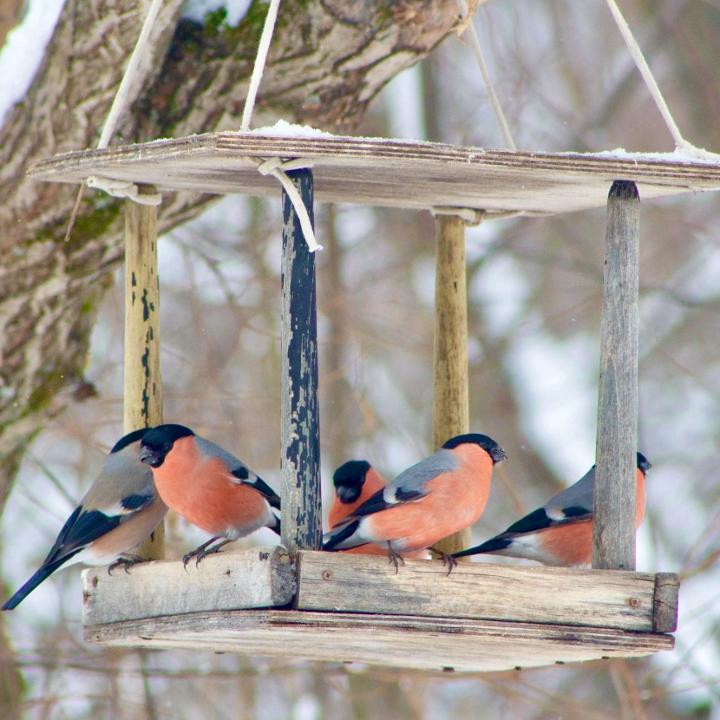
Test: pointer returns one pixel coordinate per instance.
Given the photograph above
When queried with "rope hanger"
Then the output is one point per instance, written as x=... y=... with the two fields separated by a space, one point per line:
x=273 y=166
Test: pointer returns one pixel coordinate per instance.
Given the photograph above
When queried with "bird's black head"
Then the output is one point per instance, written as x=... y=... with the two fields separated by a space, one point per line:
x=643 y=463
x=158 y=442
x=349 y=479
x=486 y=443
x=128 y=439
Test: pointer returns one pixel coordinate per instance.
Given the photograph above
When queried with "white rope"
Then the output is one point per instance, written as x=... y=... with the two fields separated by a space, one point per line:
x=477 y=50
x=260 y=60
x=275 y=166
x=470 y=216
x=636 y=53
x=644 y=68
x=120 y=102
x=270 y=167
x=124 y=189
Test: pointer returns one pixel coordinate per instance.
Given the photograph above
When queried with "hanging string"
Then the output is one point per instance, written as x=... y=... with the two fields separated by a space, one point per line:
x=644 y=68
x=119 y=105
x=260 y=60
x=120 y=102
x=272 y=166
x=494 y=102
x=637 y=55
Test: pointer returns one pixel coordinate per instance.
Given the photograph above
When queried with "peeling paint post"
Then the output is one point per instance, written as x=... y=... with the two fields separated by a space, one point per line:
x=451 y=415
x=142 y=385
x=614 y=502
x=300 y=421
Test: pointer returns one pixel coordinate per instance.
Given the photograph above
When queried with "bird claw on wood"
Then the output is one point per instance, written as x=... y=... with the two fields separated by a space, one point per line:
x=449 y=561
x=395 y=558
x=125 y=562
x=200 y=553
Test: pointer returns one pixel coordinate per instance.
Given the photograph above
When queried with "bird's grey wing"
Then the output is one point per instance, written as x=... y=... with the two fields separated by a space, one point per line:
x=239 y=470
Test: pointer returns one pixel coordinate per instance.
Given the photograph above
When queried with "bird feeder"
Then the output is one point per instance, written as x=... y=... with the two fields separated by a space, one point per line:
x=294 y=601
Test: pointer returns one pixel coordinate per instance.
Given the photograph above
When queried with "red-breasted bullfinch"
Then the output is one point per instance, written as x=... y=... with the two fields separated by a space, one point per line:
x=208 y=486
x=560 y=532
x=119 y=512
x=355 y=481
x=441 y=495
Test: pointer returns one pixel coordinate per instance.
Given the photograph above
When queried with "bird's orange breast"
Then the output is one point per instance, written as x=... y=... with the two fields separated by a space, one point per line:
x=571 y=543
x=203 y=491
x=454 y=501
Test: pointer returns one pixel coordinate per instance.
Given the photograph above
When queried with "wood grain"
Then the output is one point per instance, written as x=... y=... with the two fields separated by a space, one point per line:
x=438 y=644
x=665 y=602
x=382 y=172
x=451 y=414
x=299 y=411
x=354 y=583
x=257 y=577
x=615 y=483
x=142 y=392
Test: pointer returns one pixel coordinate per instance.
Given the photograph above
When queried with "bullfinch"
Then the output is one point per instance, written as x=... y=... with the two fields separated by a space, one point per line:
x=208 y=486
x=441 y=495
x=560 y=532
x=119 y=512
x=355 y=481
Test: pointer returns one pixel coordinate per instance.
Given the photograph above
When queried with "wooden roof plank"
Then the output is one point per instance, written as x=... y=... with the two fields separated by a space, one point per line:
x=387 y=172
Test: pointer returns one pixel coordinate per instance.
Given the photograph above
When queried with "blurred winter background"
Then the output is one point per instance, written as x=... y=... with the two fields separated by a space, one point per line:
x=567 y=83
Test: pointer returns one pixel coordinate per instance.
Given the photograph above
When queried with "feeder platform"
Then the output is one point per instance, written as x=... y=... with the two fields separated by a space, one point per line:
x=355 y=608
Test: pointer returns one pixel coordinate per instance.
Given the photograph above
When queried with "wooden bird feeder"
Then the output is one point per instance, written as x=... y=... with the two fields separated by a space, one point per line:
x=296 y=602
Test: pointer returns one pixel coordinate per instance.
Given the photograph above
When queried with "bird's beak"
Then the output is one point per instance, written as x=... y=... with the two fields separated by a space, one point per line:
x=150 y=457
x=498 y=454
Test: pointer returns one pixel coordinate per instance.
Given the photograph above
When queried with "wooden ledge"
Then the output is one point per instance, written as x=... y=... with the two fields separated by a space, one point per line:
x=376 y=171
x=352 y=608
x=478 y=590
x=255 y=578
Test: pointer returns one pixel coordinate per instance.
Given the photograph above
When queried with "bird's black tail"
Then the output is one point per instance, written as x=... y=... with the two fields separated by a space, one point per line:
x=42 y=573
x=342 y=533
x=499 y=542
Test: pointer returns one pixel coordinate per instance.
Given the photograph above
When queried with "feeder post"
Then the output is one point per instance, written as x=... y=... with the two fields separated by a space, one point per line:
x=142 y=385
x=614 y=500
x=450 y=359
x=300 y=421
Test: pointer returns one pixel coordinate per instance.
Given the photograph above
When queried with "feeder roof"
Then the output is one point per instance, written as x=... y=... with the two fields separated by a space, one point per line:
x=392 y=173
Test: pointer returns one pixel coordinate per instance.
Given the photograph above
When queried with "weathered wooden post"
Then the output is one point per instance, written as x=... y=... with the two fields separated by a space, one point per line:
x=450 y=359
x=143 y=388
x=614 y=503
x=300 y=423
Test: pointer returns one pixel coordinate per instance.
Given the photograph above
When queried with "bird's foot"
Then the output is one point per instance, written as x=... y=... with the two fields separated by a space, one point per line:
x=449 y=561
x=200 y=553
x=395 y=558
x=125 y=563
